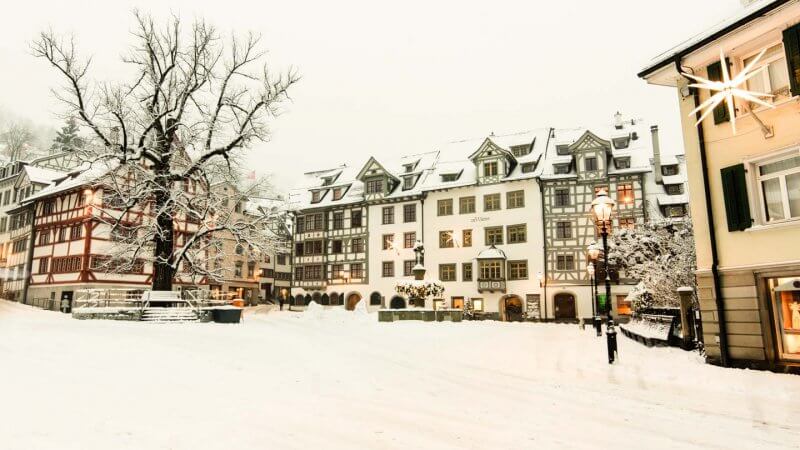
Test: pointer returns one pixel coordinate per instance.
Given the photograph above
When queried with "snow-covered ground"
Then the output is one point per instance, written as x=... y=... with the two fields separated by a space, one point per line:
x=332 y=379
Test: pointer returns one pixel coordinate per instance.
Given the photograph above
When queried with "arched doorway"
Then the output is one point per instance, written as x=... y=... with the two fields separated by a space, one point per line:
x=352 y=301
x=298 y=300
x=564 y=305
x=375 y=299
x=317 y=297
x=334 y=298
x=325 y=299
x=306 y=301
x=397 y=302
x=511 y=308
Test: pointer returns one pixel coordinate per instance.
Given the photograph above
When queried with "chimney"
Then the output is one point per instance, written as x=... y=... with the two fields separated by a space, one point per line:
x=618 y=120
x=656 y=152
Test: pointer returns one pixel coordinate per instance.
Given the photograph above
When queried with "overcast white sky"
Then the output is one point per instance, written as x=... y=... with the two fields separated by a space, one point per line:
x=384 y=78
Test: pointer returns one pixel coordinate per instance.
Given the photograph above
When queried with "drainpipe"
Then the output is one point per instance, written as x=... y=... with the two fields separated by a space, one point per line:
x=712 y=234
x=544 y=233
x=28 y=271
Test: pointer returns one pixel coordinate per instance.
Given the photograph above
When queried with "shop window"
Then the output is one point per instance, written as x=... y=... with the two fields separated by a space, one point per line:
x=786 y=308
x=623 y=305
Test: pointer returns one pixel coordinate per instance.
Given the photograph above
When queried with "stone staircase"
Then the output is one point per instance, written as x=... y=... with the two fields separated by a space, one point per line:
x=179 y=314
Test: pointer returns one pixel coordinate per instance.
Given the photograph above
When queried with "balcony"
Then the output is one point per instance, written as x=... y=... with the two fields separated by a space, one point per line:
x=492 y=285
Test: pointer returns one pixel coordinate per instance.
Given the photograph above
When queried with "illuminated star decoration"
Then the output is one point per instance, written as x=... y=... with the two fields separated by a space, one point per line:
x=452 y=239
x=728 y=88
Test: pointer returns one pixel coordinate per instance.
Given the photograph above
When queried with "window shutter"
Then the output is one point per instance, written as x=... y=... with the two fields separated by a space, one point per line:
x=791 y=45
x=737 y=205
x=715 y=74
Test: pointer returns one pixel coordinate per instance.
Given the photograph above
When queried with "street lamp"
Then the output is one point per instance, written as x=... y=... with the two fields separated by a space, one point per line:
x=593 y=252
x=601 y=209
x=592 y=287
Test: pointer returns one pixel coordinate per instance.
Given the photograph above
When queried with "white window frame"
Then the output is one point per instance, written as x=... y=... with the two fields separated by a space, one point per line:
x=755 y=190
x=767 y=61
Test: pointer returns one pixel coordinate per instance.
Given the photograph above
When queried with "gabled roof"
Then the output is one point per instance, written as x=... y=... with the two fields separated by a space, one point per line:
x=372 y=161
x=489 y=144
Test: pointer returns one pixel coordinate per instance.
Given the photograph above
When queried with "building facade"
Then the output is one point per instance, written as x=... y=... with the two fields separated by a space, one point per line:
x=745 y=184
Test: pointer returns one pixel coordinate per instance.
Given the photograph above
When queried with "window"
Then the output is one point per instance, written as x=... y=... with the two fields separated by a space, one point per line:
x=624 y=306
x=515 y=199
x=676 y=211
x=410 y=213
x=409 y=239
x=517 y=234
x=446 y=239
x=298 y=273
x=43 y=265
x=301 y=224
x=388 y=241
x=447 y=272
x=374 y=186
x=490 y=169
x=562 y=149
x=565 y=262
x=528 y=167
x=314 y=222
x=674 y=189
x=669 y=170
x=494 y=236
x=237 y=272
x=338 y=193
x=336 y=248
x=311 y=272
x=445 y=207
x=491 y=270
x=48 y=207
x=562 y=197
x=627 y=223
x=388 y=269
x=338 y=220
x=388 y=215
x=564 y=230
x=313 y=248
x=518 y=270
x=590 y=163
x=775 y=79
x=356 y=270
x=62 y=234
x=67 y=264
x=625 y=194
x=298 y=249
x=357 y=245
x=316 y=197
x=520 y=150
x=561 y=169
x=477 y=304
x=449 y=177
x=622 y=163
x=251 y=269
x=336 y=271
x=466 y=205
x=466 y=271
x=75 y=232
x=779 y=182
x=408 y=267
x=355 y=218
x=408 y=183
x=466 y=238
x=597 y=190
x=44 y=237
x=491 y=202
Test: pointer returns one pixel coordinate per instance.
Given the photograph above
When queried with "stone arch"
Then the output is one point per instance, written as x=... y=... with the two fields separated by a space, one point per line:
x=317 y=297
x=297 y=300
x=325 y=300
x=564 y=306
x=352 y=300
x=397 y=302
x=375 y=299
x=334 y=299
x=511 y=309
x=306 y=300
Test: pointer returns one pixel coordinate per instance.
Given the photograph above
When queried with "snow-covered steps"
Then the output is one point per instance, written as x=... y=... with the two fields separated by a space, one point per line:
x=170 y=315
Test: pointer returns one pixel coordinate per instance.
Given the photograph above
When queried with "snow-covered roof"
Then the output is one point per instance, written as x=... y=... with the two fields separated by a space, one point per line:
x=81 y=176
x=742 y=17
x=680 y=178
x=492 y=253
x=41 y=175
x=667 y=200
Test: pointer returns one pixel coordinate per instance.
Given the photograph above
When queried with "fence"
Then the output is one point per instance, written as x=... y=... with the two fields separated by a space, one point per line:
x=44 y=303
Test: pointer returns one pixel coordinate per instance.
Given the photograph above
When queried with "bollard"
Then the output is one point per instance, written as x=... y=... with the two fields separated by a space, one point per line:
x=598 y=325
x=612 y=343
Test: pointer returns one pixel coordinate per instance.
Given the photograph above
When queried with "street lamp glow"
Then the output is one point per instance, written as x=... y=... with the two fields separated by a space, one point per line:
x=728 y=88
x=590 y=269
x=602 y=207
x=593 y=251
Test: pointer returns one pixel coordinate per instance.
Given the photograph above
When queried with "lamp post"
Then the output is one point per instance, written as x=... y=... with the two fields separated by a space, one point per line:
x=594 y=252
x=601 y=209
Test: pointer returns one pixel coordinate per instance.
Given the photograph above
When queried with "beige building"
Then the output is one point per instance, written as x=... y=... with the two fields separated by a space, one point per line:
x=745 y=184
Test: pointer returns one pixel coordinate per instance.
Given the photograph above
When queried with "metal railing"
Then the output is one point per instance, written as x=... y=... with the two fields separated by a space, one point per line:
x=44 y=303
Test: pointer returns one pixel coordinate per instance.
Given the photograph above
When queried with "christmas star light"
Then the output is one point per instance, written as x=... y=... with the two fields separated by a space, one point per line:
x=728 y=88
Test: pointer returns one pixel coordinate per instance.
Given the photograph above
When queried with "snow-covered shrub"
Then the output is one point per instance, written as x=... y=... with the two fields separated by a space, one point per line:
x=661 y=256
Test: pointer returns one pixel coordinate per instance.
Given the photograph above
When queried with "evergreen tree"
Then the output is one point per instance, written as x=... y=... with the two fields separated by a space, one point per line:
x=67 y=139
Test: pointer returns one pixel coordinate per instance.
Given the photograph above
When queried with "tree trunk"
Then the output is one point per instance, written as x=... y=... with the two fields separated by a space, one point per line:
x=164 y=244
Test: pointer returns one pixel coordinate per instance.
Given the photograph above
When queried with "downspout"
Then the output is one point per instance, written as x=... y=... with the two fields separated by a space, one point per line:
x=292 y=268
x=544 y=233
x=712 y=235
x=29 y=257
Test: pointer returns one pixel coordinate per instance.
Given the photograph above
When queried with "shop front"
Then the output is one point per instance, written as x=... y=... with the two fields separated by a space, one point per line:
x=785 y=305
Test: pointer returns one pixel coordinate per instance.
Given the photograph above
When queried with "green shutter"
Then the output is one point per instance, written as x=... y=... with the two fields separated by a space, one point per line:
x=737 y=205
x=791 y=45
x=715 y=74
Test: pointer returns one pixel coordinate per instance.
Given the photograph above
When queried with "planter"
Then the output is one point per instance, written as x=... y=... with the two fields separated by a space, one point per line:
x=227 y=315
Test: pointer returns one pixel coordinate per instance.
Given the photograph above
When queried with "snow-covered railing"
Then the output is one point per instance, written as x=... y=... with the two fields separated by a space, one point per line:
x=108 y=298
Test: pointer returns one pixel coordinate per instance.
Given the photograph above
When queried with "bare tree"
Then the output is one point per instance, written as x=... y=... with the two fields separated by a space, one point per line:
x=17 y=138
x=172 y=134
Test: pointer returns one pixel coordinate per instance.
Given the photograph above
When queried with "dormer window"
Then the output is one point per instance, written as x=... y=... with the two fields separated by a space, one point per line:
x=338 y=193
x=316 y=196
x=448 y=177
x=590 y=163
x=562 y=149
x=408 y=168
x=561 y=169
x=408 y=182
x=674 y=189
x=622 y=163
x=528 y=167
x=520 y=150
x=621 y=142
x=374 y=186
x=669 y=170
x=490 y=169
